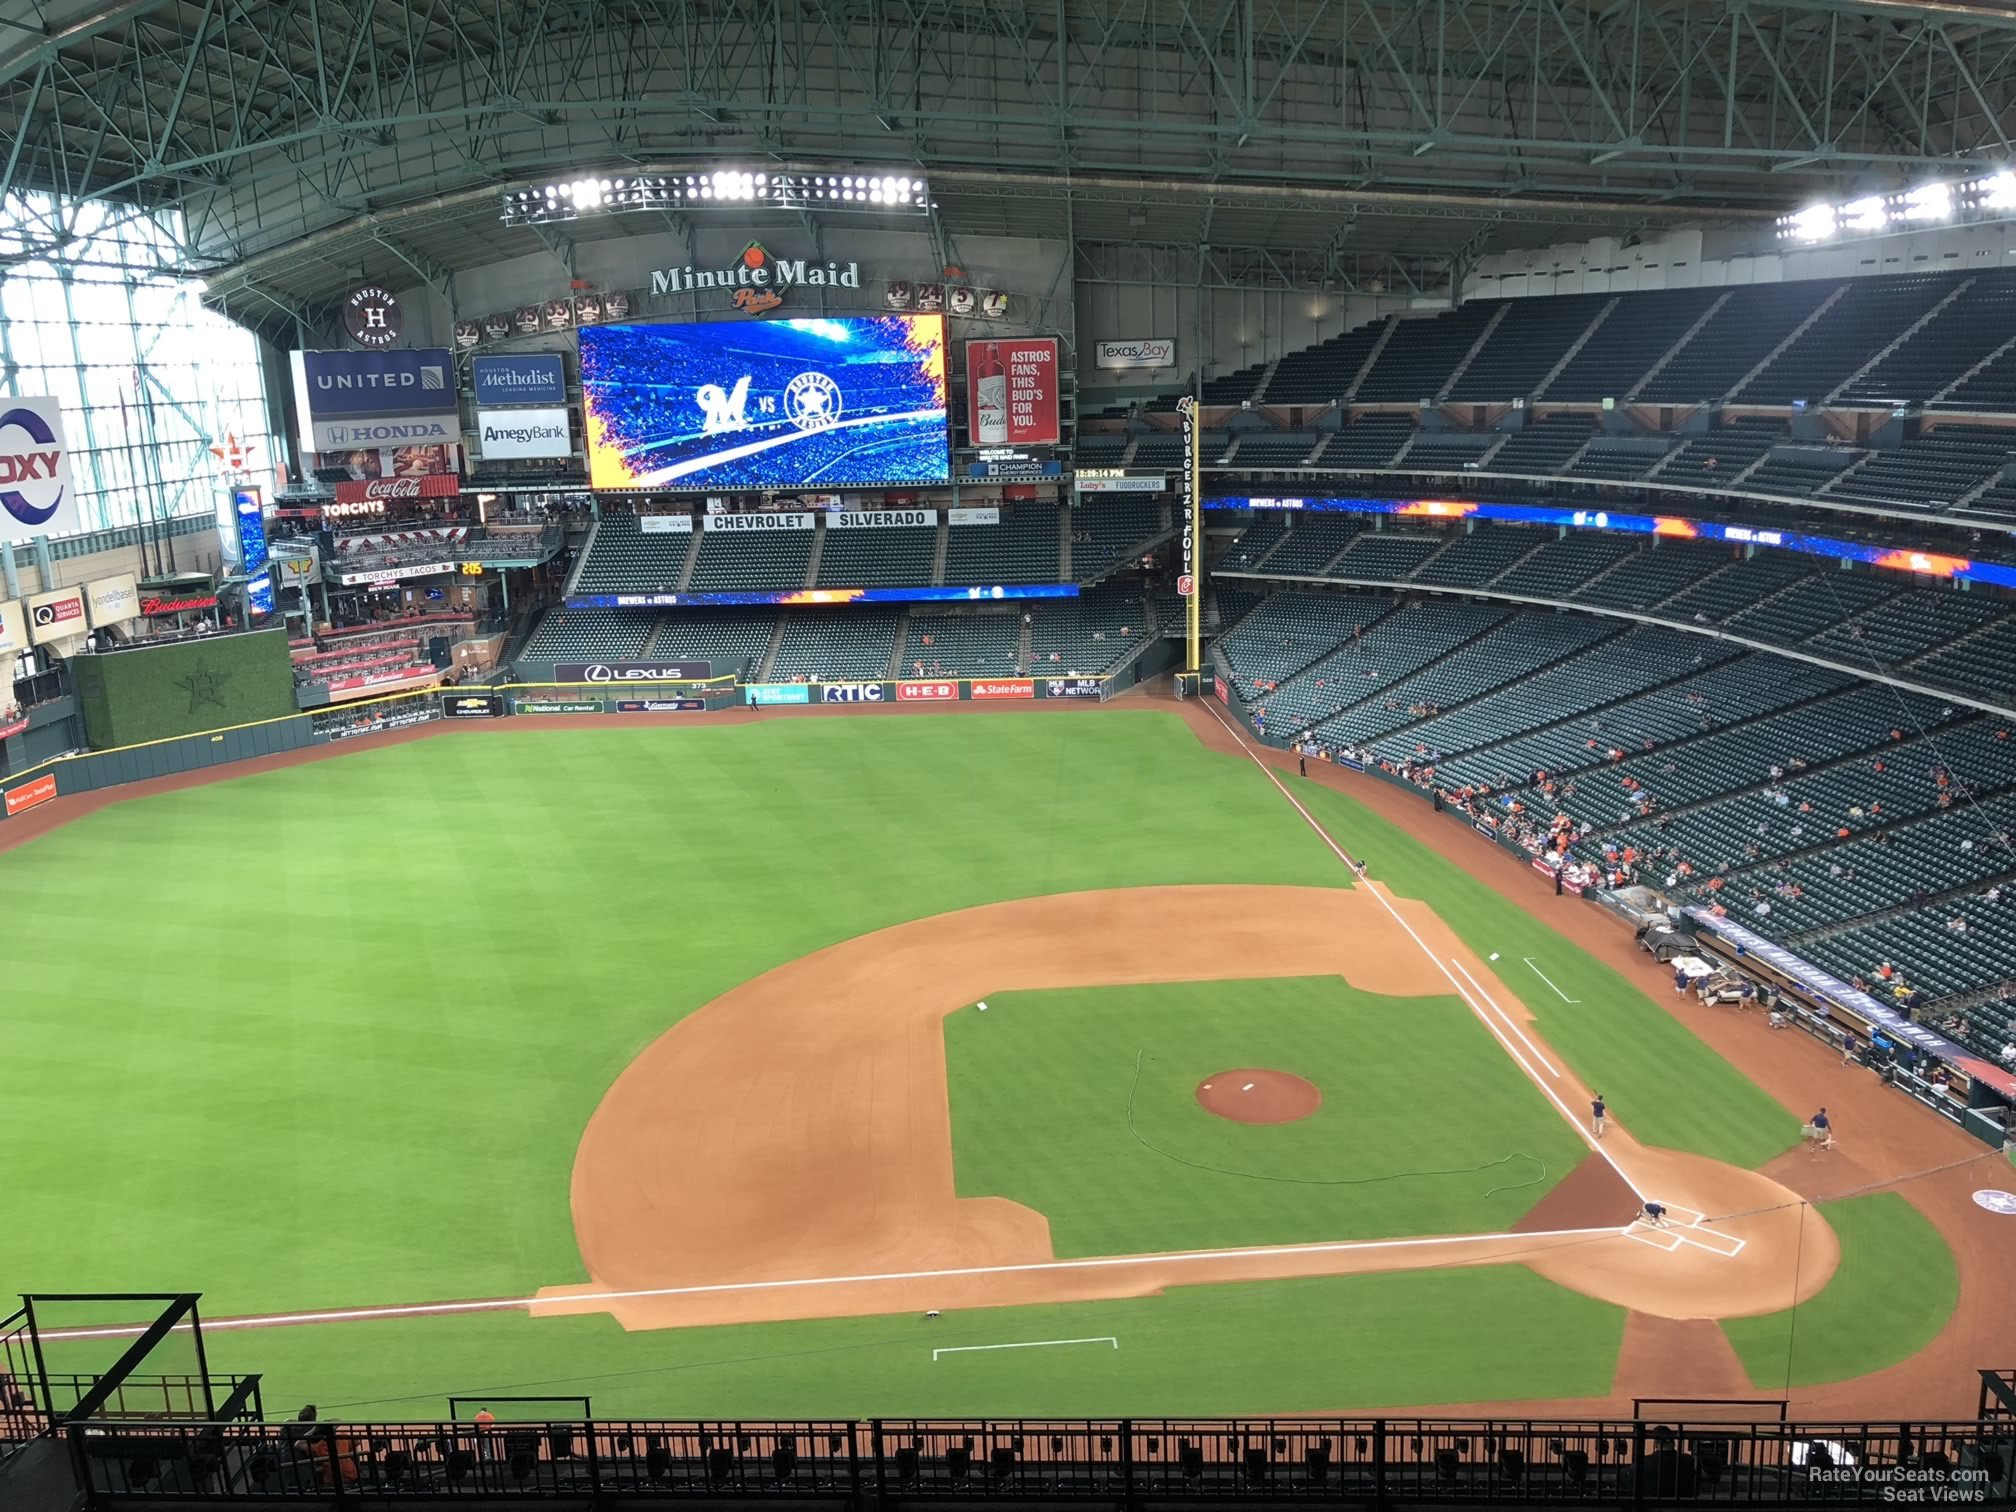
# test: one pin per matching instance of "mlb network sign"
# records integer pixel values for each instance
(535, 378)
(35, 493)
(403, 397)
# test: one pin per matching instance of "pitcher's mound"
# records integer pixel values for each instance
(1259, 1097)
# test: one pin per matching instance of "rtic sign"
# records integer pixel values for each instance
(850, 693)
(35, 494)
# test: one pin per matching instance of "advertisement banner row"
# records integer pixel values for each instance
(926, 690)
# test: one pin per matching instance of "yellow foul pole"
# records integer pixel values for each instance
(1191, 522)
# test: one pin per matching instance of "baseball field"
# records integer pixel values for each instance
(1054, 1062)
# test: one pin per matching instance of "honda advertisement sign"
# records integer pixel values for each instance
(402, 397)
(534, 378)
(1011, 392)
(36, 496)
(510, 435)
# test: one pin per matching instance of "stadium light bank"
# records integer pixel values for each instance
(875, 193)
(1966, 202)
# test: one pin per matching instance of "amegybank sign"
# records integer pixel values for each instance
(518, 433)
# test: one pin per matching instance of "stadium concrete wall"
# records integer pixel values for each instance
(159, 692)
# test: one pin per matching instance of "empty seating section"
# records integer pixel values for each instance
(1618, 460)
(1870, 314)
(1369, 441)
(840, 645)
(588, 635)
(901, 556)
(1275, 449)
(1630, 340)
(1234, 603)
(1908, 626)
(1021, 549)
(729, 638)
(1418, 358)
(1798, 472)
(1508, 654)
(1445, 451)
(1313, 542)
(1158, 449)
(961, 645)
(1739, 689)
(1254, 542)
(1543, 448)
(1286, 631)
(1652, 576)
(1383, 555)
(1558, 568)
(752, 559)
(1323, 373)
(1102, 449)
(1627, 664)
(1524, 347)
(1235, 388)
(1087, 635)
(621, 558)
(1371, 658)
(1932, 472)
(1472, 560)
(1933, 357)
(1714, 459)
(1738, 336)
(1736, 588)
(1992, 388)
(1981, 662)
(1103, 533)
(1806, 608)
(1997, 503)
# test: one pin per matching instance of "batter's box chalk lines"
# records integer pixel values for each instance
(1032, 1344)
(1549, 981)
(1659, 1239)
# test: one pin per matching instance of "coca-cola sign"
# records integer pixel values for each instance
(364, 491)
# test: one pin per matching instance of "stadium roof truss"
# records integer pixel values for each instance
(310, 143)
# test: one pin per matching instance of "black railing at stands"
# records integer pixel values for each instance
(885, 1462)
(43, 687)
(1998, 1397)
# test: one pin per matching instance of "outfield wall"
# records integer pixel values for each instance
(186, 687)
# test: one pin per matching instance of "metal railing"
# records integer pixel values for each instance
(879, 1463)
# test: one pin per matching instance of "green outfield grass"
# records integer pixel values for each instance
(1896, 1288)
(344, 1057)
(1041, 1087)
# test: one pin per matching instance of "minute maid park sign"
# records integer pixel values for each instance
(757, 269)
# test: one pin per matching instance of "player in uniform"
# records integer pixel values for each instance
(1599, 1113)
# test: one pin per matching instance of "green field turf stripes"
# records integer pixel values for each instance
(1895, 1290)
(1661, 1081)
(1334, 1344)
(1040, 1085)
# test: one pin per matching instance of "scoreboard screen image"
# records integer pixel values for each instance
(840, 403)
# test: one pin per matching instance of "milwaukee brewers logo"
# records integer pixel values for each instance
(812, 400)
(721, 410)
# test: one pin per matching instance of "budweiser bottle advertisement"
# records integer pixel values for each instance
(989, 376)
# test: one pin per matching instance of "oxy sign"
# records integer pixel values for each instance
(36, 497)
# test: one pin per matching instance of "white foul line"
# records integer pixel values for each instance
(1574, 1122)
(1549, 981)
(1510, 1022)
(1100, 1262)
(1032, 1344)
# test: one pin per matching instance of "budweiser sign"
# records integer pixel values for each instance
(158, 606)
(433, 486)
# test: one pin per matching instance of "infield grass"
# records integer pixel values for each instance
(1426, 1125)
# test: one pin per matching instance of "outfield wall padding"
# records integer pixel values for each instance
(183, 687)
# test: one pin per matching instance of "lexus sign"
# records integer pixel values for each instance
(632, 671)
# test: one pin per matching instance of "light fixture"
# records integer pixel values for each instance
(903, 192)
(1990, 197)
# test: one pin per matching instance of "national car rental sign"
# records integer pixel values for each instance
(36, 497)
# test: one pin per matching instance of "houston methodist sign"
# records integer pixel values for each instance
(35, 493)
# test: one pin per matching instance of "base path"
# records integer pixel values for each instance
(786, 1150)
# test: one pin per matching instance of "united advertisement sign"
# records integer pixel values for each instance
(402, 397)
